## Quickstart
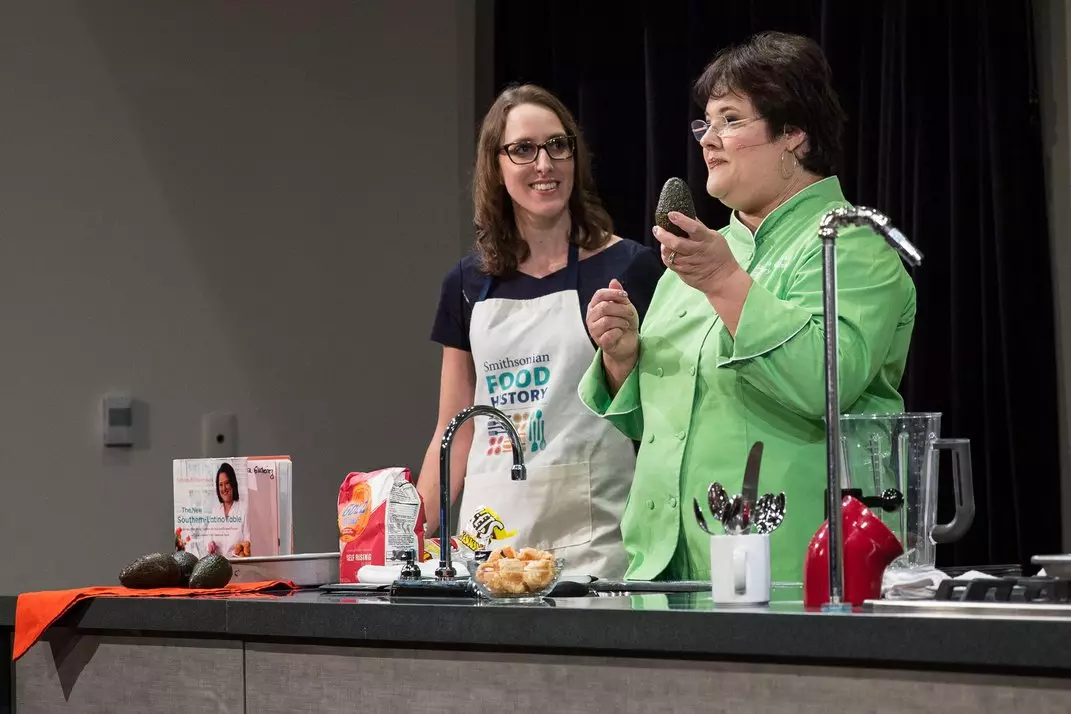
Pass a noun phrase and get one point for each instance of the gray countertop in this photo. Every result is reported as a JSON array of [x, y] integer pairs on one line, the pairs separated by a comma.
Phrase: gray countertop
[[676, 625]]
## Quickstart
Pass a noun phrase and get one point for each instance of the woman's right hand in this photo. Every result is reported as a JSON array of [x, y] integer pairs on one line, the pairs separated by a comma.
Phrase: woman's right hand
[[614, 325]]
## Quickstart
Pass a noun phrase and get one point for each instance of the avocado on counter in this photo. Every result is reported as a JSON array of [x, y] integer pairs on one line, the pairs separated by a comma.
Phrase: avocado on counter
[[186, 561], [675, 196], [211, 571], [157, 570]]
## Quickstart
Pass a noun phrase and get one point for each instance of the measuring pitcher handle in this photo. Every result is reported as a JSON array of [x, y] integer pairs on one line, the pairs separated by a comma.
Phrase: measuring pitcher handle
[[963, 486]]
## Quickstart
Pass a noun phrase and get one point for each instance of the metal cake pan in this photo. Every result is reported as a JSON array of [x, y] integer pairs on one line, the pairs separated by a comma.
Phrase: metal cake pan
[[303, 569]]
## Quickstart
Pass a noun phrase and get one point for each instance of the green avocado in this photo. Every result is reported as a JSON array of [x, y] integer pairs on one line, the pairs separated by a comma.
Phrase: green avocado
[[157, 570], [211, 571], [675, 196], [186, 561]]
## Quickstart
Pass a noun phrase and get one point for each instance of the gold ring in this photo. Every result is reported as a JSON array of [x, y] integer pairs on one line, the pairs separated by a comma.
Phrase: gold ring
[[672, 256]]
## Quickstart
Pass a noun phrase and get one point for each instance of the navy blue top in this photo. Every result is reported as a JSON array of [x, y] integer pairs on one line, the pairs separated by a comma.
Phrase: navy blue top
[[637, 266]]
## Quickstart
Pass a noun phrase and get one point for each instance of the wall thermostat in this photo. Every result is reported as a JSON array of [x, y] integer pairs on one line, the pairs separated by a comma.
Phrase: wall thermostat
[[118, 421]]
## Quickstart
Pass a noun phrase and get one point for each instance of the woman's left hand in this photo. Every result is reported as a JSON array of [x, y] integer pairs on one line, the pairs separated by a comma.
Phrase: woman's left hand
[[702, 260]]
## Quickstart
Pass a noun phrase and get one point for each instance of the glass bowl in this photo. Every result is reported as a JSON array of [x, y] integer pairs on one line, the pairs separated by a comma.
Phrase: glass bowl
[[530, 584]]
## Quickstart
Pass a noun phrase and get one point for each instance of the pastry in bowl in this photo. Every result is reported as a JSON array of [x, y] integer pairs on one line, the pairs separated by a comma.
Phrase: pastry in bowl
[[514, 574]]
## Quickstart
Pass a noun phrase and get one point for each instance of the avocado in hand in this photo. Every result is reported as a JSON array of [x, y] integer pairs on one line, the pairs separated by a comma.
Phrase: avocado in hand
[[157, 570], [211, 571], [675, 196], [186, 561]]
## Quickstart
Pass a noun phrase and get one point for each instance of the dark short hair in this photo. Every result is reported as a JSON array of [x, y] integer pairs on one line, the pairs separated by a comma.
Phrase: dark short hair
[[227, 470], [788, 80]]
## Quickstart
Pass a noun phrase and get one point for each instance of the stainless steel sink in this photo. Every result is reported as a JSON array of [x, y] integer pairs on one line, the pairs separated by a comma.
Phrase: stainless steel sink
[[565, 588], [945, 608]]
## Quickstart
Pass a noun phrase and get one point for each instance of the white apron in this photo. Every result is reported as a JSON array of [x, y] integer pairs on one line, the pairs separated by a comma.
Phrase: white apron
[[529, 357]]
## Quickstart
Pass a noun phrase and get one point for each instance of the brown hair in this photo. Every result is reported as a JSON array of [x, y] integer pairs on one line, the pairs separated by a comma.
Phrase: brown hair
[[498, 241], [788, 80]]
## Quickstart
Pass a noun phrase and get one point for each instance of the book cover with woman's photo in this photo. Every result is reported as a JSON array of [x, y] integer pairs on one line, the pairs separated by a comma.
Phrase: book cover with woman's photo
[[237, 507]]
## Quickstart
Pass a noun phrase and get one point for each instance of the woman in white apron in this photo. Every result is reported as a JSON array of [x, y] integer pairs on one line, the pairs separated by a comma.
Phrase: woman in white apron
[[512, 327]]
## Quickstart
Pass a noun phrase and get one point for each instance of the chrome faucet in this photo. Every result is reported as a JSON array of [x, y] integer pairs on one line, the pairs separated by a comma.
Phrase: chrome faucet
[[827, 232], [446, 570]]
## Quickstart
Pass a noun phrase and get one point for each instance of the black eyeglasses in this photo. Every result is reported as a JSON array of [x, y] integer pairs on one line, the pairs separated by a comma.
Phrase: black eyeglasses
[[558, 148]]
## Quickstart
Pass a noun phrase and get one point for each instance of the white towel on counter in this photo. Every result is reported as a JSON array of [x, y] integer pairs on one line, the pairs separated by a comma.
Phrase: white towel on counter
[[911, 583], [920, 583], [387, 574]]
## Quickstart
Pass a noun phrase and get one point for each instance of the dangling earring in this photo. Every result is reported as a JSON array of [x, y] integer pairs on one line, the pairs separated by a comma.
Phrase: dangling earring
[[791, 170]]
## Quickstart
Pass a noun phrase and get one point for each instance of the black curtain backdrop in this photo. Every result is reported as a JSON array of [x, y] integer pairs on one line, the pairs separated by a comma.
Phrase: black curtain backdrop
[[943, 136]]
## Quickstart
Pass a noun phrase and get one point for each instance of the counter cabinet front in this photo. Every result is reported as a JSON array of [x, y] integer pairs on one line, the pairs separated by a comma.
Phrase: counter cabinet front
[[313, 652]]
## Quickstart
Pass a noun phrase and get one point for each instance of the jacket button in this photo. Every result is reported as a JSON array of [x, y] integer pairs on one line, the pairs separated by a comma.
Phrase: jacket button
[[691, 371], [672, 502], [680, 435], [659, 372], [650, 505], [650, 439]]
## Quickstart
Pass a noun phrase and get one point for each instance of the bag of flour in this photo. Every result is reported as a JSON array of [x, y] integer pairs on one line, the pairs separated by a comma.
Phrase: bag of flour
[[379, 515]]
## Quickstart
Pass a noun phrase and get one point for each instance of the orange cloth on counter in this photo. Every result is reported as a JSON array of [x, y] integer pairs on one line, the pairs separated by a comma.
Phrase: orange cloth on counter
[[36, 611]]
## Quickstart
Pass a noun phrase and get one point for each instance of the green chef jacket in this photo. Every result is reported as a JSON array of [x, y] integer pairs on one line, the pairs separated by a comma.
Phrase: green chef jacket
[[698, 398]]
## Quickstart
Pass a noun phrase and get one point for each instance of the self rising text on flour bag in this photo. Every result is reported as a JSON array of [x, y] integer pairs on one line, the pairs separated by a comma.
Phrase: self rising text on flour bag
[[379, 514]]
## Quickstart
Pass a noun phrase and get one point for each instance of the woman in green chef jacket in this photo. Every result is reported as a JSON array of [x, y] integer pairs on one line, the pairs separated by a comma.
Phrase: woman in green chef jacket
[[731, 350]]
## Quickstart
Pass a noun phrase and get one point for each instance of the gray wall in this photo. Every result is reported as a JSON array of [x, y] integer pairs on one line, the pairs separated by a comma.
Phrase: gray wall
[[1052, 23], [219, 206]]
